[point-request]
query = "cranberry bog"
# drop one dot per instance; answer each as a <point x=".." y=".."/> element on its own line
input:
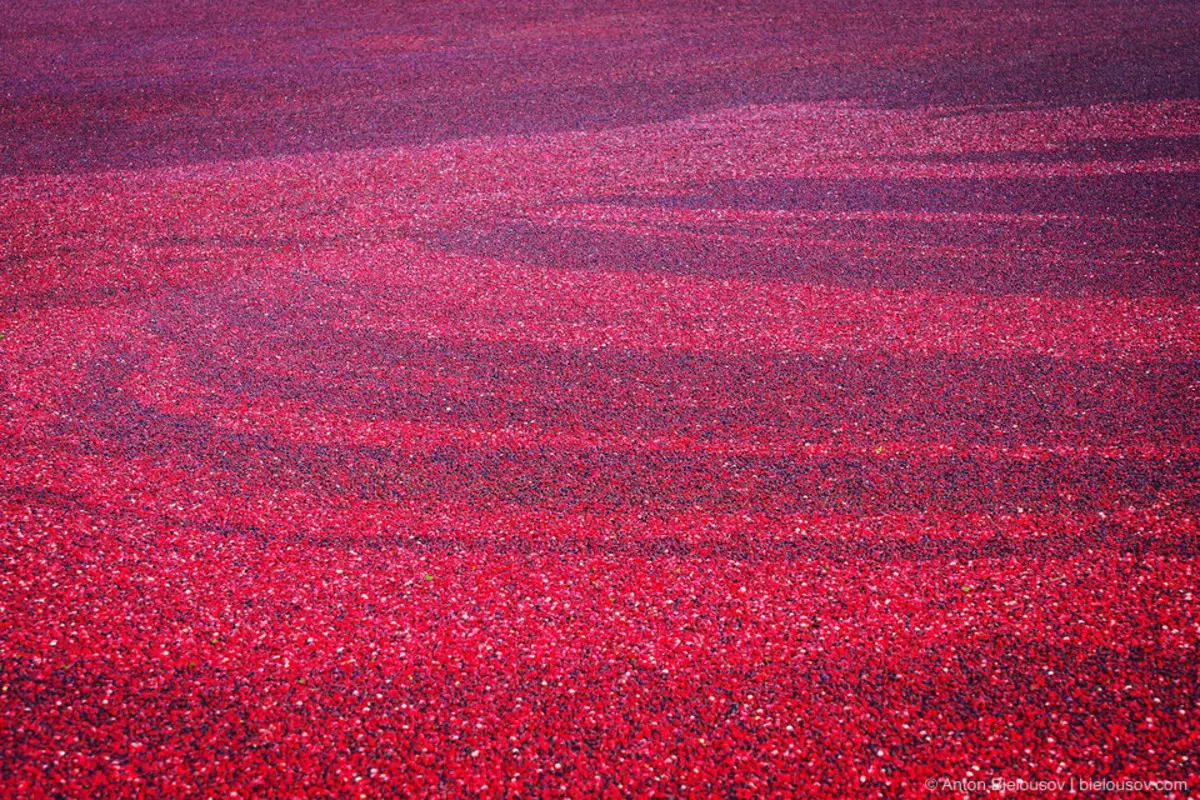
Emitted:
<point x="657" y="399"/>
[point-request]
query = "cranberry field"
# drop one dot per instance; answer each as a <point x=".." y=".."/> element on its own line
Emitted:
<point x="655" y="399"/>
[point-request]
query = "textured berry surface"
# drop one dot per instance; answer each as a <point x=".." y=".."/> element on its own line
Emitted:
<point x="643" y="399"/>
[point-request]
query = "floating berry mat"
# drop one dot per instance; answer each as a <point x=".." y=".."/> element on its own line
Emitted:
<point x="553" y="399"/>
